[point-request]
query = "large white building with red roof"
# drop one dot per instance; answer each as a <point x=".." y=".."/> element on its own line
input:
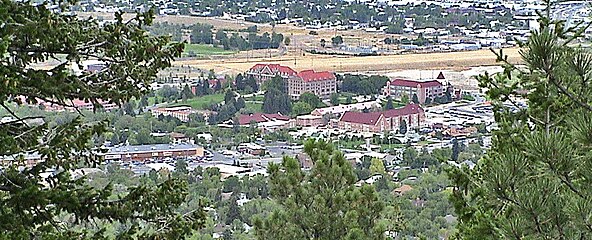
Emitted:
<point x="263" y="72"/>
<point x="424" y="90"/>
<point x="384" y="121"/>
<point x="322" y="84"/>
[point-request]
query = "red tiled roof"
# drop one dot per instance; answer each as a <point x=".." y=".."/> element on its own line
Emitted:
<point x="362" y="118"/>
<point x="311" y="75"/>
<point x="246" y="119"/>
<point x="412" y="83"/>
<point x="275" y="68"/>
<point x="409" y="109"/>
<point x="277" y="116"/>
<point x="372" y="117"/>
<point x="260" y="117"/>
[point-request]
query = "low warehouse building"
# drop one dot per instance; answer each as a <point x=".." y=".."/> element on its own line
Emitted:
<point x="153" y="151"/>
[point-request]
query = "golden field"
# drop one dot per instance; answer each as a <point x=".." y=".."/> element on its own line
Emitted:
<point x="443" y="61"/>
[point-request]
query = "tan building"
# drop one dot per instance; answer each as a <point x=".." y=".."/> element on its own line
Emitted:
<point x="309" y="121"/>
<point x="424" y="90"/>
<point x="322" y="84"/>
<point x="180" y="112"/>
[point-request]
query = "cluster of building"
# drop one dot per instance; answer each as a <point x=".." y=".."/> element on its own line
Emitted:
<point x="322" y="84"/>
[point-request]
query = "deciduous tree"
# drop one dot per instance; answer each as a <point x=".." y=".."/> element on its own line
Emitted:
<point x="32" y="204"/>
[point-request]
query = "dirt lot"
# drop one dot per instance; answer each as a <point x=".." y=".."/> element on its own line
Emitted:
<point x="296" y="58"/>
<point x="442" y="61"/>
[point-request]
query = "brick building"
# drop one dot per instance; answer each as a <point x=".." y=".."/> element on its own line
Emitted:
<point x="263" y="72"/>
<point x="322" y="84"/>
<point x="309" y="121"/>
<point x="424" y="90"/>
<point x="389" y="120"/>
<point x="154" y="151"/>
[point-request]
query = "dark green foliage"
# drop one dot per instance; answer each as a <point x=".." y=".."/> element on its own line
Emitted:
<point x="323" y="204"/>
<point x="456" y="149"/>
<point x="311" y="99"/>
<point x="233" y="211"/>
<point x="337" y="40"/>
<point x="240" y="82"/>
<point x="301" y="108"/>
<point x="201" y="33"/>
<point x="534" y="182"/>
<point x="276" y="99"/>
<point x="362" y="84"/>
<point x="414" y="99"/>
<point x="186" y="93"/>
<point x="59" y="206"/>
<point x="252" y="83"/>
<point x="403" y="127"/>
<point x="334" y="99"/>
<point x="389" y="104"/>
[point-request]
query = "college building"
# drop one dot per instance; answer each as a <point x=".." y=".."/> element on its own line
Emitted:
<point x="180" y="112"/>
<point x="263" y="72"/>
<point x="384" y="121"/>
<point x="322" y="84"/>
<point x="424" y="90"/>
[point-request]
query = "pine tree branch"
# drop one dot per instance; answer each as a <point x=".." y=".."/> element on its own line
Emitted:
<point x="569" y="95"/>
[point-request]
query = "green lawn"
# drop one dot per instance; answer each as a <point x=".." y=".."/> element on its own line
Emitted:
<point x="204" y="50"/>
<point x="253" y="107"/>
<point x="396" y="104"/>
<point x="255" y="98"/>
<point x="202" y="102"/>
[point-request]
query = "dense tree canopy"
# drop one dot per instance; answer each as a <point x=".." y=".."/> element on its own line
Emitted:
<point x="362" y="84"/>
<point x="276" y="99"/>
<point x="323" y="204"/>
<point x="59" y="206"/>
<point x="534" y="182"/>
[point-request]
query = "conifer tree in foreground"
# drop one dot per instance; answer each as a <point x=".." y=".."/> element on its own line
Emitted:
<point x="58" y="206"/>
<point x="535" y="181"/>
<point x="321" y="204"/>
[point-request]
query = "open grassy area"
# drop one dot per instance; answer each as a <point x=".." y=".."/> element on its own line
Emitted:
<point x="258" y="98"/>
<point x="253" y="107"/>
<point x="202" y="102"/>
<point x="204" y="50"/>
